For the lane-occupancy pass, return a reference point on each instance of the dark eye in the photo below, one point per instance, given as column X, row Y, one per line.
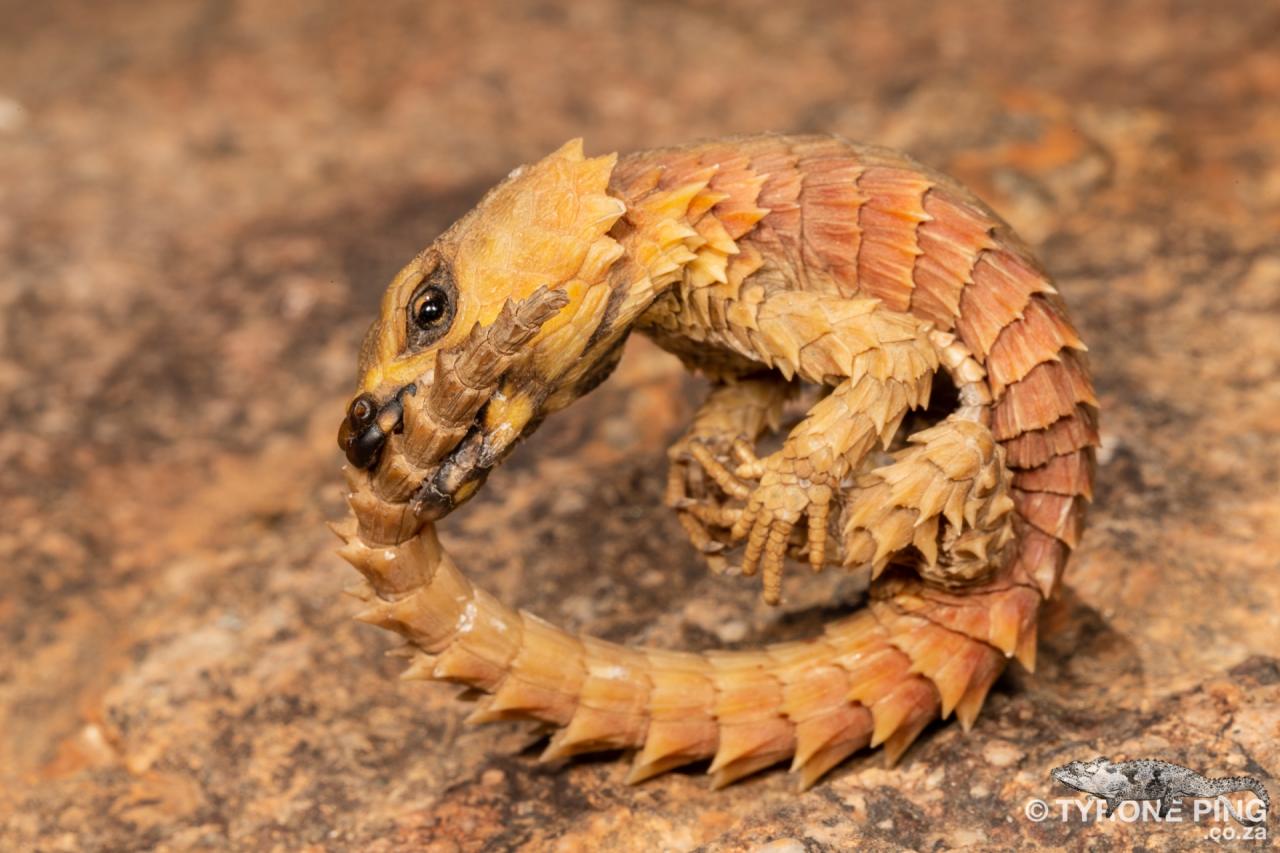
column 432, row 308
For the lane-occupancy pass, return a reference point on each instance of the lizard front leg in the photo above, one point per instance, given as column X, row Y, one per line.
column 880, row 363
column 734, row 413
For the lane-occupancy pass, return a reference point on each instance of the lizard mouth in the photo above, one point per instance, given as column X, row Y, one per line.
column 460, row 473
column 443, row 453
column 364, row 435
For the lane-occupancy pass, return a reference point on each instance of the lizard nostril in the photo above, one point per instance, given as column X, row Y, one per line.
column 361, row 412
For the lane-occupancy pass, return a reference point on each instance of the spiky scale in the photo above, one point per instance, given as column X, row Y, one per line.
column 742, row 744
column 846, row 724
column 857, row 735
column 591, row 730
column 901, row 705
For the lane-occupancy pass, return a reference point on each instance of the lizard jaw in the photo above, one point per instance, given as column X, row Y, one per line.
column 453, row 422
column 458, row 476
column 449, row 482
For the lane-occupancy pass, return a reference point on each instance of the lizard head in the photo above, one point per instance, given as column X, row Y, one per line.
column 486, row 330
column 1089, row 776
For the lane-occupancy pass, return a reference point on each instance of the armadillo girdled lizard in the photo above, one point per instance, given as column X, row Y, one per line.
column 768, row 263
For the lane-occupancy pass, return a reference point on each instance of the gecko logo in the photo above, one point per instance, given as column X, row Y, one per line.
column 1149, row 789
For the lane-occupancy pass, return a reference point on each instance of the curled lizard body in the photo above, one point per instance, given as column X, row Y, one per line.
column 767, row 263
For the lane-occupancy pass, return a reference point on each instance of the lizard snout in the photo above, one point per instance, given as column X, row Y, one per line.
column 365, row 428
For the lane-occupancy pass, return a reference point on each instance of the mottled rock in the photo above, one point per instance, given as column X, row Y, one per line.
column 202, row 203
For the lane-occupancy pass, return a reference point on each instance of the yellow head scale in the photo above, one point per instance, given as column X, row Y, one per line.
column 478, row 330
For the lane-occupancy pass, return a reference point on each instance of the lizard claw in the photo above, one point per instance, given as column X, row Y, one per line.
column 761, row 501
column 727, row 480
column 750, row 466
column 698, row 534
column 702, row 509
column 773, row 510
column 715, row 515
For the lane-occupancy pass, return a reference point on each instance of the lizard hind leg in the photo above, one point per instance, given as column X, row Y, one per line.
column 946, row 494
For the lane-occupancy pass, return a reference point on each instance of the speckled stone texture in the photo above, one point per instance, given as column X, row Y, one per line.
column 201, row 205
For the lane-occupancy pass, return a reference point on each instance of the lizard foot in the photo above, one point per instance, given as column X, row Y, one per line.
column 700, row 488
column 788, row 490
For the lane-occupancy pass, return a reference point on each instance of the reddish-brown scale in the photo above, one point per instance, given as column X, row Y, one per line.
column 888, row 221
column 1040, row 561
column 1036, row 337
column 950, row 240
column 693, row 170
column 636, row 178
column 737, row 182
column 1061, row 516
column 829, row 210
column 1002, row 287
column 1050, row 392
column 1033, row 448
column 968, row 615
column 779, row 232
column 1070, row 474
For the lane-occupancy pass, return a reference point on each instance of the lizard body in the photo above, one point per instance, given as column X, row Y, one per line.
column 766, row 262
column 1152, row 779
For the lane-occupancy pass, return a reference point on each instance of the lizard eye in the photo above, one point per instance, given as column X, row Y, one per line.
column 431, row 310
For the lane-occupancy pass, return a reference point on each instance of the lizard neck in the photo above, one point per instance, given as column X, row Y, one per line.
column 682, row 227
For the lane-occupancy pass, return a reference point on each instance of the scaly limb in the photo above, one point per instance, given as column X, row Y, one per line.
column 880, row 363
column 799, row 481
column 735, row 412
column 947, row 494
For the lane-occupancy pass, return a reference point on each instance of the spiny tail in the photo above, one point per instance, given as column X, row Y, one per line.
column 874, row 678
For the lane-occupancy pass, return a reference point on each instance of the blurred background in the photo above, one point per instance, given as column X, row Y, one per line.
column 200, row 203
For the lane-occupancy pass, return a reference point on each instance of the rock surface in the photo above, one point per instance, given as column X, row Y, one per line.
column 202, row 203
